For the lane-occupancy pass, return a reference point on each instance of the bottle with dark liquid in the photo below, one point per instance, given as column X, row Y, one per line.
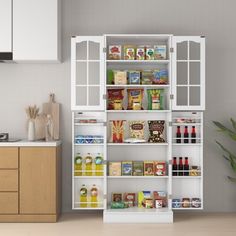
column 193, row 135
column 178, row 135
column 180, row 167
column 186, row 136
column 174, row 166
column 186, row 166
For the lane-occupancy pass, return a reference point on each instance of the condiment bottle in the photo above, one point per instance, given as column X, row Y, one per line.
column 174, row 166
column 180, row 167
column 178, row 135
column 193, row 135
column 186, row 166
column 186, row 136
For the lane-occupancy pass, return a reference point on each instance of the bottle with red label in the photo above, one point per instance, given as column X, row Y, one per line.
column 174, row 167
column 178, row 135
column 186, row 167
column 193, row 135
column 186, row 135
column 180, row 167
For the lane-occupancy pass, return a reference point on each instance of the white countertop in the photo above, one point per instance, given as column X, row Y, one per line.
column 25, row 143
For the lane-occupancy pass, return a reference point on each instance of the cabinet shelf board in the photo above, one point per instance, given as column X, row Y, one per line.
column 89, row 124
column 89, row 144
column 137, row 111
column 137, row 177
column 137, row 144
column 89, row 177
column 138, row 210
column 186, row 177
column 88, row 208
column 138, row 85
column 138, row 61
column 186, row 124
column 188, row 208
column 186, row 144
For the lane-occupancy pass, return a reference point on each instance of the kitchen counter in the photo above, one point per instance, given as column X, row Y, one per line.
column 25, row 143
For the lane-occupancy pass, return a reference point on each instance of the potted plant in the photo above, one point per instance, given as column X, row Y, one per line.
column 228, row 155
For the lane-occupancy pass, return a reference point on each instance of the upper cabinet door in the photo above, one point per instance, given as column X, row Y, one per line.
column 87, row 73
column 5, row 25
column 188, row 74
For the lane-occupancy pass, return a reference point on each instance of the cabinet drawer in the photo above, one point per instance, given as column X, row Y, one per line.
column 8, row 158
column 8, row 180
column 8, row 203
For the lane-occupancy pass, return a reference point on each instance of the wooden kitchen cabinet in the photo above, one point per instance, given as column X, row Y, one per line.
column 30, row 183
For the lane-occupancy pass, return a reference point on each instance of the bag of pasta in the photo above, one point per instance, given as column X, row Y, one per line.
column 156, row 131
column 135, row 97
column 115, row 99
column 117, row 131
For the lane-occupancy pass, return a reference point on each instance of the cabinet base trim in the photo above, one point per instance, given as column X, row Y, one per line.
column 28, row 218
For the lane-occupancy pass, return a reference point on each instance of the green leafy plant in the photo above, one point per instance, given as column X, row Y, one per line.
column 228, row 155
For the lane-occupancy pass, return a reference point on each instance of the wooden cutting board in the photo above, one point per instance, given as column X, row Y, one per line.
column 53, row 108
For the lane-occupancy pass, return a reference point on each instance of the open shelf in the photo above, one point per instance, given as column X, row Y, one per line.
column 89, row 177
column 137, row 111
column 186, row 177
column 137, row 144
column 138, row 86
column 88, row 144
column 138, row 61
column 138, row 177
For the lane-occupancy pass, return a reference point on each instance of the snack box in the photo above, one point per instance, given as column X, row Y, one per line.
column 129, row 198
column 148, row 168
column 138, row 168
column 114, row 168
column 140, row 53
column 134, row 77
column 160, row 76
column 147, row 77
column 114, row 52
column 120, row 77
column 149, row 53
column 159, row 168
column 142, row 196
column 160, row 195
column 129, row 52
column 160, row 52
column 126, row 168
column 116, row 197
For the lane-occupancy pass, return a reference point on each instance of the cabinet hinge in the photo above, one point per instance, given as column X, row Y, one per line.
column 104, row 50
column 170, row 123
column 171, row 96
column 171, row 49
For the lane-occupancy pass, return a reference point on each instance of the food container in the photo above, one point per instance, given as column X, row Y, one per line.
column 149, row 53
column 114, row 52
column 140, row 53
column 120, row 77
column 176, row 203
column 194, row 171
column 196, row 202
column 186, row 202
column 134, row 77
column 158, row 203
column 147, row 77
column 160, row 52
column 129, row 52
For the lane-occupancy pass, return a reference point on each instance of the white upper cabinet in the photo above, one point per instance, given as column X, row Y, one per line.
column 87, row 73
column 5, row 26
column 188, row 73
column 36, row 30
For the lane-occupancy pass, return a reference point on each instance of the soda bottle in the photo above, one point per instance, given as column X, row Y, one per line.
column 186, row 166
column 83, row 196
column 186, row 136
column 193, row 135
column 94, row 196
column 88, row 164
column 174, row 167
column 99, row 164
column 180, row 167
column 178, row 135
column 78, row 164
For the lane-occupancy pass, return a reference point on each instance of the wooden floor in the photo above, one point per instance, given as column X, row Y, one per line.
column 91, row 225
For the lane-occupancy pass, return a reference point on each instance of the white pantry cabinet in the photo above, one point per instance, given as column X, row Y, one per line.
column 36, row 30
column 5, row 26
column 182, row 112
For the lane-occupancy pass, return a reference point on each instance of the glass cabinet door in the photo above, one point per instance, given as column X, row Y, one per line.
column 188, row 74
column 87, row 73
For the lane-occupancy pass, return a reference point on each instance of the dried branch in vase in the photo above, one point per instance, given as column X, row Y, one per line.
column 32, row 112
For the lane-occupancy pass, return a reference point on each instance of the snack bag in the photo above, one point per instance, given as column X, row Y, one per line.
column 136, row 129
column 135, row 97
column 160, row 76
column 114, row 52
column 115, row 99
column 117, row 131
column 155, row 99
column 156, row 130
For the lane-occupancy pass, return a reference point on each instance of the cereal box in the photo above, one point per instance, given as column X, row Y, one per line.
column 160, row 52
column 114, row 168
column 159, row 168
column 138, row 168
column 148, row 168
column 126, row 168
column 129, row 52
column 114, row 52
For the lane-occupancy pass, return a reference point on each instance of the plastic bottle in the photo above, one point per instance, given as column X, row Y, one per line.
column 83, row 196
column 174, row 167
column 178, row 135
column 88, row 164
column 78, row 164
column 193, row 135
column 186, row 135
column 49, row 129
column 99, row 164
column 94, row 196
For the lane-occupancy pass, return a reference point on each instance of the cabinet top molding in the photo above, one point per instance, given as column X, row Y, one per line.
column 25, row 143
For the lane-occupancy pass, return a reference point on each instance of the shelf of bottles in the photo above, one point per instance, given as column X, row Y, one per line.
column 187, row 161
column 89, row 154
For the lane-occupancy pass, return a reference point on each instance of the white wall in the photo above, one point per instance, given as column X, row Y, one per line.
column 24, row 84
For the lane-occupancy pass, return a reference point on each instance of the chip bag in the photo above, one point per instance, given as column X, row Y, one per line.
column 155, row 99
column 115, row 99
column 135, row 97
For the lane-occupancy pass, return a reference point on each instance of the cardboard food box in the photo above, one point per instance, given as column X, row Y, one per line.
column 114, row 168
column 159, row 168
column 148, row 168
column 138, row 168
column 126, row 168
column 142, row 197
